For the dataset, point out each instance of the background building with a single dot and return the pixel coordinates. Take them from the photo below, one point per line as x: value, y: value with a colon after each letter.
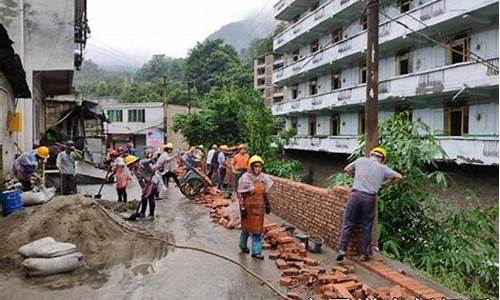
x: 264, y: 67
x: 170, y: 111
x: 454, y: 89
x: 49, y: 37
x: 140, y: 123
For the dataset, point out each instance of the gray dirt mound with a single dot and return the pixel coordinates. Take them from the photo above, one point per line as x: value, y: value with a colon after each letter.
x: 78, y: 220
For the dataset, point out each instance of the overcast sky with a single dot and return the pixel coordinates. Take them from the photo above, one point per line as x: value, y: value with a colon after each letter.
x: 130, y: 31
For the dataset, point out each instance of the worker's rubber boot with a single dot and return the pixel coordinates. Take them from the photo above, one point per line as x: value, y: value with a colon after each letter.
x: 341, y: 255
x: 258, y: 256
x: 245, y: 250
x: 363, y: 257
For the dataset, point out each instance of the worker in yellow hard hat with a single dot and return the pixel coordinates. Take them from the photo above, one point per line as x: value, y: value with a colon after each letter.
x: 149, y: 180
x: 27, y: 165
x: 253, y: 191
x: 370, y: 174
x: 166, y: 164
x: 221, y: 162
x: 240, y: 162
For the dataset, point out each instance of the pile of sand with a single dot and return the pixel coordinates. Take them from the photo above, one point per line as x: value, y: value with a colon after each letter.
x: 77, y: 220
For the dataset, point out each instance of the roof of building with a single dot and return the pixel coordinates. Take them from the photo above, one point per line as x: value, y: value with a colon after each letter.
x: 107, y: 103
x: 12, y: 67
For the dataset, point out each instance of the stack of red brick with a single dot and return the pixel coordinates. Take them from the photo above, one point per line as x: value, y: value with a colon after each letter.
x: 213, y: 199
x: 302, y: 273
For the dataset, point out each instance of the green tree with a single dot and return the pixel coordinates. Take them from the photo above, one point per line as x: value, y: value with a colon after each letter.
x: 215, y: 64
x: 159, y: 66
x: 229, y: 116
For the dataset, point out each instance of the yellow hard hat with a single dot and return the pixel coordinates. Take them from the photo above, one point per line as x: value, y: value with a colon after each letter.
x: 200, y: 146
x: 242, y: 146
x: 255, y: 159
x: 214, y: 146
x: 130, y: 159
x: 168, y: 145
x: 380, y: 151
x: 43, y: 152
x: 224, y: 147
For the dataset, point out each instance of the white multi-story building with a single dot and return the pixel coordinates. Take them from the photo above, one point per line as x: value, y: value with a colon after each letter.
x: 446, y: 87
x: 264, y: 67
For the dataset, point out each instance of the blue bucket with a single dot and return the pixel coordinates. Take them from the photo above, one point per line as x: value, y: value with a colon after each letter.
x: 11, y: 202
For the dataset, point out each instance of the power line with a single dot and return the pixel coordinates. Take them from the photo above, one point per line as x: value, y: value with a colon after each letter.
x: 478, y: 58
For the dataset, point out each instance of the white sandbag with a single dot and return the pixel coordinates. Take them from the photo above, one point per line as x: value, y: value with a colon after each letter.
x: 55, y: 250
x: 30, y: 249
x: 33, y: 198
x: 55, y: 265
x: 47, y: 248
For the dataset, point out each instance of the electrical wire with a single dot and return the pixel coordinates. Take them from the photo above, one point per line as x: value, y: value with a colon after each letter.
x: 149, y: 236
x: 478, y: 58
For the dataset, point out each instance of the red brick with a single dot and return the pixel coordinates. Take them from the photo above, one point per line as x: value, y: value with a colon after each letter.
x: 266, y: 246
x: 311, y: 261
x: 290, y: 272
x: 350, y: 285
x: 293, y: 295
x: 296, y: 257
x: 281, y: 264
x: 328, y: 278
x: 329, y: 295
x: 286, y: 281
x: 274, y: 255
x: 340, y: 269
x: 284, y: 240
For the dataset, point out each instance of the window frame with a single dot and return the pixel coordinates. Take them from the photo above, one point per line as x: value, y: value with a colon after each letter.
x: 134, y: 115
x: 402, y: 4
x: 115, y: 115
x: 337, y: 35
x: 294, y: 122
x: 314, y: 46
x: 362, y: 74
x: 336, y: 77
x: 464, y: 40
x: 363, y: 22
x: 464, y: 120
x: 361, y: 122
x: 294, y: 88
x: 408, y: 55
x: 313, y: 86
x: 312, y: 123
x: 335, y: 131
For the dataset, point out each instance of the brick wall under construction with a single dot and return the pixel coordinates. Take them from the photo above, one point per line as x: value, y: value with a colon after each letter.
x: 314, y: 210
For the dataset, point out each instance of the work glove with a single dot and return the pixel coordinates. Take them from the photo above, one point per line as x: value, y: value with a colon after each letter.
x: 267, y: 205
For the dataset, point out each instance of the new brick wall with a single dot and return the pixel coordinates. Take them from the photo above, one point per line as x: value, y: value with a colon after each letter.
x: 314, y: 210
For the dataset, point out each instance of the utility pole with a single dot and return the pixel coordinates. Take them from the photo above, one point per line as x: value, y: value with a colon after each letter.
x: 371, y: 106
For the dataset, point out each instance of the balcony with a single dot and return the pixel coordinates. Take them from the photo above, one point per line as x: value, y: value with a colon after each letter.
x: 332, y: 14
x: 287, y: 10
x: 461, y: 150
x: 436, y: 81
x: 440, y: 15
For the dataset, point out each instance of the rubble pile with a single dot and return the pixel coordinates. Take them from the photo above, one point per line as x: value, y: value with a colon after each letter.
x: 218, y: 206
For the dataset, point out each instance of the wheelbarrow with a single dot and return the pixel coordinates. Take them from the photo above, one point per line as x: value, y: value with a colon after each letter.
x: 193, y: 182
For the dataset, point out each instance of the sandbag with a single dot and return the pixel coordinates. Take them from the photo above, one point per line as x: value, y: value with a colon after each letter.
x: 48, y: 249
x: 33, y: 198
x: 30, y: 249
x: 55, y: 265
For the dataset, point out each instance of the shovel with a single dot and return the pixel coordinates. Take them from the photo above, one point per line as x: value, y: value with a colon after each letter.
x: 98, y: 195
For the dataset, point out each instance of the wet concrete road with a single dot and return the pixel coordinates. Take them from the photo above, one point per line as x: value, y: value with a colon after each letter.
x: 182, y: 274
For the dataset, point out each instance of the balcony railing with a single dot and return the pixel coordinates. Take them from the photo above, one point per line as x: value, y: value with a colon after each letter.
x: 444, y: 79
x: 439, y: 11
x: 466, y: 150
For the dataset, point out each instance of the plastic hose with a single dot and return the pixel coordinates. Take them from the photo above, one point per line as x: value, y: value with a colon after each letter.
x: 149, y: 236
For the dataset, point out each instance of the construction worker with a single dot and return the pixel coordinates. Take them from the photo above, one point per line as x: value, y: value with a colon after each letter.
x: 370, y: 174
x: 221, y: 159
x: 253, y: 189
x: 149, y: 180
x: 66, y: 163
x: 167, y: 164
x: 240, y: 163
x: 210, y: 156
x: 215, y: 165
x: 27, y: 164
x: 129, y: 149
x: 189, y: 158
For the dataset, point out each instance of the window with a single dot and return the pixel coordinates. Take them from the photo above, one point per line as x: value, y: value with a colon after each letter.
x: 362, y: 74
x: 361, y: 122
x: 261, y: 81
x: 261, y: 71
x: 314, y: 46
x: 404, y: 63
x: 460, y: 49
x: 295, y: 91
x: 335, y: 125
x: 456, y: 121
x: 337, y: 35
x: 294, y: 121
x: 315, y: 6
x: 336, y: 83
x: 312, y: 125
x: 136, y: 115
x: 313, y: 86
x: 115, y: 115
x: 404, y: 5
x: 295, y: 55
x: 364, y: 23
x: 261, y: 60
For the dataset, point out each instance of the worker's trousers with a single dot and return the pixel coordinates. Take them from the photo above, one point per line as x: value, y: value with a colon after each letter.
x: 168, y: 175
x: 256, y: 242
x: 360, y: 209
x: 68, y: 184
x: 151, y: 200
x: 221, y: 177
